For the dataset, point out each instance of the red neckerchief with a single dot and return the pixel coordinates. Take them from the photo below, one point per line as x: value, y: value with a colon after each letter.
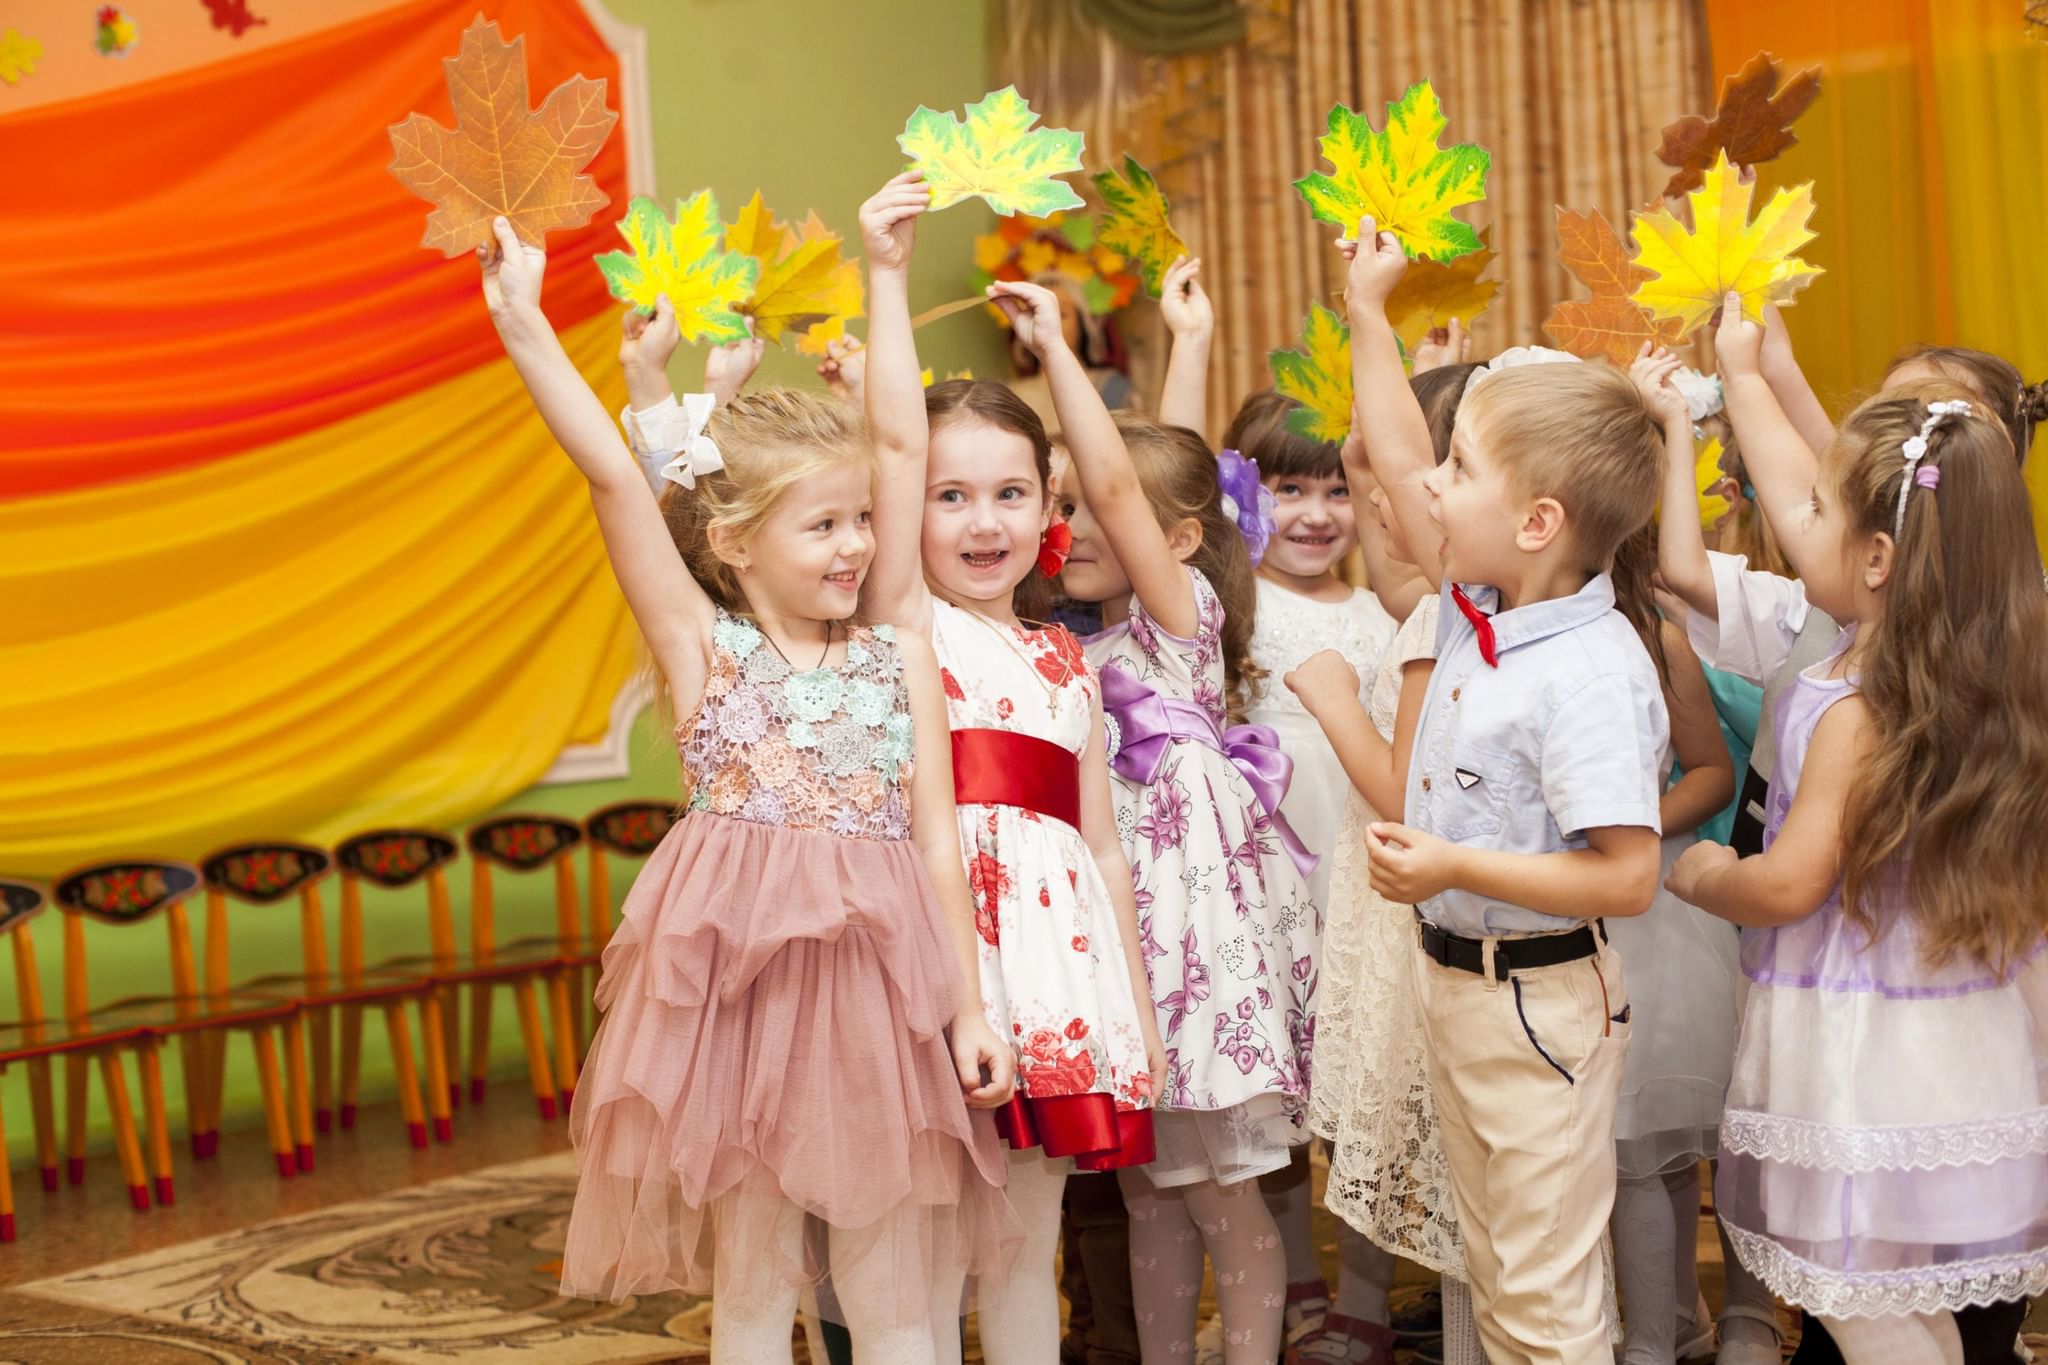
x: 1481, y: 622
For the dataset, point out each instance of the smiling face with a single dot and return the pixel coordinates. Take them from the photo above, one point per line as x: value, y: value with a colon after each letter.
x: 1315, y: 525
x: 984, y: 512
x: 809, y: 554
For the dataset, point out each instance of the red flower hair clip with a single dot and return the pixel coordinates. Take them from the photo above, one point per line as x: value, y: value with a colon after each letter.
x: 1054, y: 547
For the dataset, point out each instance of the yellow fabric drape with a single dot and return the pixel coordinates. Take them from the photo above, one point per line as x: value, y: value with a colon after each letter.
x: 386, y: 606
x: 1569, y: 95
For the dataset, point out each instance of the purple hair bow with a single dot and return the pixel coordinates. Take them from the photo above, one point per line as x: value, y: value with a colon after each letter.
x: 1148, y: 725
x: 1246, y: 500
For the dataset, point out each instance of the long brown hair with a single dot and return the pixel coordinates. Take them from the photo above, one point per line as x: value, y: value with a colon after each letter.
x: 1635, y: 595
x: 1178, y: 472
x: 1951, y: 805
x: 2016, y: 404
x: 996, y: 405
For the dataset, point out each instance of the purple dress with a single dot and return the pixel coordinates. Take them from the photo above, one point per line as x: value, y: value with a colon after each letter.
x: 1885, y: 1149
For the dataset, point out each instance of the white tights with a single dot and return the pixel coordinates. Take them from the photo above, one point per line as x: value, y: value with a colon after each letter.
x: 1656, y: 1232
x: 1922, y: 1339
x: 1170, y: 1230
x: 1461, y: 1331
x: 1019, y: 1316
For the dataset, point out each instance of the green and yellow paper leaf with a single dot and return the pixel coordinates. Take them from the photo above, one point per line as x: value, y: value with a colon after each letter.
x: 802, y: 281
x: 1431, y: 293
x: 683, y: 260
x: 1134, y: 222
x: 931, y: 379
x: 1318, y: 376
x: 1725, y: 251
x: 1401, y: 177
x: 995, y: 154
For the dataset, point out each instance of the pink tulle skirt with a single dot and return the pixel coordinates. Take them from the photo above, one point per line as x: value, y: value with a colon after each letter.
x: 770, y: 1094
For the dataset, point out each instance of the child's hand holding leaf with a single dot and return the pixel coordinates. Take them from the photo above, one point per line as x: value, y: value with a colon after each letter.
x: 512, y: 272
x: 888, y: 221
x: 1182, y: 302
x: 1034, y: 314
x: 1651, y: 374
x: 1377, y: 265
x: 646, y: 343
x: 728, y: 368
x: 1738, y: 342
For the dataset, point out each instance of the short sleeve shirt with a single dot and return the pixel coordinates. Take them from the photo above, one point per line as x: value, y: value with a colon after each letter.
x: 1567, y: 734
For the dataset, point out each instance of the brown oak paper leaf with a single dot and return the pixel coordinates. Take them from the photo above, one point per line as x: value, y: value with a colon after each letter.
x: 1750, y: 123
x: 1611, y: 323
x: 502, y: 157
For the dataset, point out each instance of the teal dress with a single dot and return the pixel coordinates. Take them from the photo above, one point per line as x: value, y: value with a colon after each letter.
x: 1738, y: 704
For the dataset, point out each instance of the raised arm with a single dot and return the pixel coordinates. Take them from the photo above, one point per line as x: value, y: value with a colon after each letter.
x: 1780, y: 465
x: 893, y: 395
x: 1383, y: 406
x: 1116, y: 497
x: 1781, y: 368
x: 1706, y: 781
x: 1681, y: 548
x: 1184, y: 398
x: 673, y: 613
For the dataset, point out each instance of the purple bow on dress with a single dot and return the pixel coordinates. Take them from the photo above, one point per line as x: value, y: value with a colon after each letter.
x: 1148, y: 725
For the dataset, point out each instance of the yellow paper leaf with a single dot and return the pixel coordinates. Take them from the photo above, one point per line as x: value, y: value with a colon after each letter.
x: 996, y: 154
x: 1401, y: 177
x: 1433, y: 292
x: 1134, y: 222
x: 802, y: 281
x: 1707, y: 476
x: 1318, y: 376
x: 1725, y: 251
x: 682, y: 260
x: 18, y: 56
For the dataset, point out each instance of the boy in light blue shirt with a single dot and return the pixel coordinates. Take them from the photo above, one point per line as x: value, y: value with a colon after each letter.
x: 1532, y: 804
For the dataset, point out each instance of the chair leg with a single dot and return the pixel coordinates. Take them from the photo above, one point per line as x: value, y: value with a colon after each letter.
x: 566, y: 1032
x: 301, y: 1103
x: 434, y: 1042
x: 536, y: 1046
x: 408, y: 1073
x: 322, y: 1032
x: 451, y: 1042
x: 74, y: 1119
x: 44, y: 1109
x: 126, y: 1145
x: 479, y: 1038
x: 273, y: 1101
x: 6, y: 1190
x: 194, y: 1051
x: 351, y: 1061
x: 156, y: 1121
x: 213, y: 1071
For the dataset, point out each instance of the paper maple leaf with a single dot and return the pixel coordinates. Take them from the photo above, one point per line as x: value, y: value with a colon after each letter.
x: 995, y: 154
x: 234, y: 16
x: 1134, y: 222
x: 1611, y: 323
x: 1401, y: 177
x: 1431, y: 293
x: 706, y: 285
x: 801, y: 282
x: 1749, y: 124
x: 1318, y: 376
x: 115, y: 33
x: 1725, y: 252
x: 501, y: 157
x: 18, y: 56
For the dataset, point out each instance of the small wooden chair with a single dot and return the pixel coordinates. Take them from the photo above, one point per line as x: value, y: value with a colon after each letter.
x: 265, y: 874
x: 34, y: 1039
x: 629, y: 829
x: 129, y: 892
x: 526, y: 843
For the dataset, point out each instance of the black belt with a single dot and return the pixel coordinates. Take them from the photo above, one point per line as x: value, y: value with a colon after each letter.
x: 1509, y: 954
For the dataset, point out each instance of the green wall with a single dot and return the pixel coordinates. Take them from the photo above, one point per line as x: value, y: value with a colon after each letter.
x: 802, y: 100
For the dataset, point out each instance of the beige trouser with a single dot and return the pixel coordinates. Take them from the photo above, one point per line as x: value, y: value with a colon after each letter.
x: 1525, y: 1074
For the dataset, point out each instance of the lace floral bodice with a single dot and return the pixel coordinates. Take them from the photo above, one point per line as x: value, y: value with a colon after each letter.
x: 1291, y: 627
x: 1415, y: 640
x: 825, y: 749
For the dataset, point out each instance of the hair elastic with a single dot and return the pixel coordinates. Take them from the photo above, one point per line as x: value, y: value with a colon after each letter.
x: 1914, y: 448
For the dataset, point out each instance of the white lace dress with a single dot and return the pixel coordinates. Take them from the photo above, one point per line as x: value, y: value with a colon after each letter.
x: 1388, y: 1177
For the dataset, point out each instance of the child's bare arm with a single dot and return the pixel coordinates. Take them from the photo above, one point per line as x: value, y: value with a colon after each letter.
x: 1780, y: 465
x: 1681, y: 548
x: 1802, y: 405
x: 1098, y: 831
x: 1184, y: 398
x: 1615, y: 876
x: 1706, y: 780
x: 1383, y: 406
x: 893, y: 395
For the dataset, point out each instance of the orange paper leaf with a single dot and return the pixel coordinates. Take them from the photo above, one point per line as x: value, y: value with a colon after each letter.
x: 502, y: 157
x: 1611, y: 323
x: 1749, y: 125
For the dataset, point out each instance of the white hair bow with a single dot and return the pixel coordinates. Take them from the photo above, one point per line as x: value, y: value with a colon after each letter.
x: 1515, y: 356
x: 697, y: 453
x: 1702, y: 392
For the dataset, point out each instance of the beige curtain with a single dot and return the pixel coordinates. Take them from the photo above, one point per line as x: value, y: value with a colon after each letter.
x: 1568, y: 95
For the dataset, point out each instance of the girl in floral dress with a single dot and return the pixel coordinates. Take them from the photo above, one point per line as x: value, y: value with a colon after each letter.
x: 1227, y: 923
x: 961, y: 533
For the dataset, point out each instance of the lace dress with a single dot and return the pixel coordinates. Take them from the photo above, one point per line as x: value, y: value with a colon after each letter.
x: 775, y: 1001
x: 1227, y: 926
x: 1388, y: 1177
x: 1885, y: 1147
x: 1289, y: 628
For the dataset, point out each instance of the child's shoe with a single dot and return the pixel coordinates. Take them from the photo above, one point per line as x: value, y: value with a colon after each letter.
x: 1341, y: 1340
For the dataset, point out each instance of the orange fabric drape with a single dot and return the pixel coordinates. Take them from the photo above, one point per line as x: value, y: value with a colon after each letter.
x: 1568, y: 95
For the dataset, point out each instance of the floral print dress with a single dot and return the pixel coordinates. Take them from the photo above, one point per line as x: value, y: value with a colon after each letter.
x: 1053, y: 970
x: 1226, y: 922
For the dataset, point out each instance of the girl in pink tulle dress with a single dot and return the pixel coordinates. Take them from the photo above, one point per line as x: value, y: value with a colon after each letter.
x: 793, y: 1064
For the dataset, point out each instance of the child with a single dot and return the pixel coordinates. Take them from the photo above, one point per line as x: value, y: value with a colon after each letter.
x: 1304, y: 606
x: 1873, y: 1170
x: 1228, y: 926
x: 961, y: 534
x: 782, y: 961
x: 1532, y: 804
x: 1387, y: 1178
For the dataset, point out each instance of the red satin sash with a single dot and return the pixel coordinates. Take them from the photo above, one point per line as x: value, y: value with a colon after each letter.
x: 1088, y: 1128
x: 1003, y: 768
